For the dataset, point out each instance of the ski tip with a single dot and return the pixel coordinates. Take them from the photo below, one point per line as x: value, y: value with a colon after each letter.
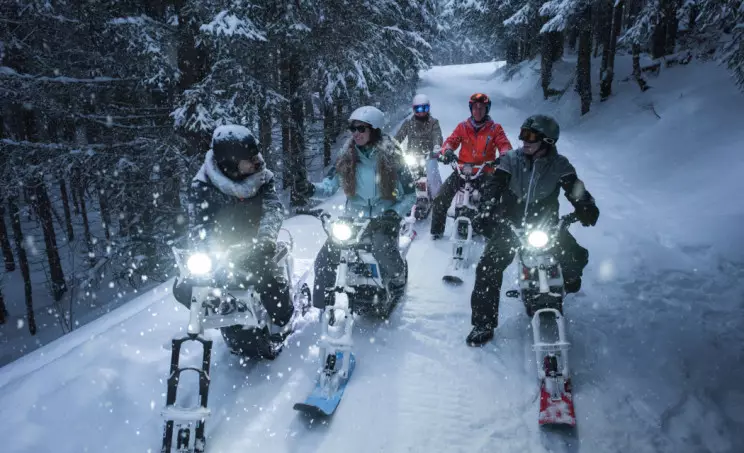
x: 452, y: 280
x: 310, y: 410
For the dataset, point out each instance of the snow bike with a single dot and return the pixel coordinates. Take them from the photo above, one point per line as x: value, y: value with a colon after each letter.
x: 417, y: 163
x: 214, y: 291
x: 463, y: 210
x: 541, y: 289
x: 358, y: 277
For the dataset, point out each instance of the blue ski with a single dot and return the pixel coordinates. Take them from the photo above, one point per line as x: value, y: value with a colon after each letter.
x: 317, y: 403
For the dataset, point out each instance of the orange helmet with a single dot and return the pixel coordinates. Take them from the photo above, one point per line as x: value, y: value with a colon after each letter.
x: 480, y: 97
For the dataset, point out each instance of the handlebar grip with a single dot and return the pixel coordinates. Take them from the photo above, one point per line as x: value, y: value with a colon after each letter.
x: 318, y: 212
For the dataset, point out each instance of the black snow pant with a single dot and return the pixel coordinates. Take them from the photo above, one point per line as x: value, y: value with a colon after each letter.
x: 384, y: 236
x: 443, y: 201
x: 270, y: 282
x: 498, y: 254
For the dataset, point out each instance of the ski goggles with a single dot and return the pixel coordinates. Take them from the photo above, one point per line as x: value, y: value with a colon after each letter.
x: 361, y: 128
x: 531, y: 136
x: 480, y: 97
x: 421, y: 108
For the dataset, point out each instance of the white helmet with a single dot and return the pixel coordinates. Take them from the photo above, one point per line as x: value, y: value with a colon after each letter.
x: 421, y: 99
x: 370, y: 115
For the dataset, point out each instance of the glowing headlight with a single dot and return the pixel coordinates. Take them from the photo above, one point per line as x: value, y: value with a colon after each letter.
x: 410, y: 160
x: 199, y: 264
x: 341, y: 231
x: 538, y: 239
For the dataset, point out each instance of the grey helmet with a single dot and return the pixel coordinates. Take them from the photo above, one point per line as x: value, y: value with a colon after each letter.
x: 545, y: 125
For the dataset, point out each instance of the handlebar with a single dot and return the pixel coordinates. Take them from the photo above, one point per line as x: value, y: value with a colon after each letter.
x: 563, y: 222
x: 317, y: 212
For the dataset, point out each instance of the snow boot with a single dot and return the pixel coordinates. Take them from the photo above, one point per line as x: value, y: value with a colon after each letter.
x: 572, y: 285
x: 480, y: 335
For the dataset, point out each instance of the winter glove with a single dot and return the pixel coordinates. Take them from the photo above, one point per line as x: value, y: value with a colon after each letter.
x: 263, y: 250
x: 448, y: 157
x: 391, y: 216
x: 302, y: 186
x: 588, y: 214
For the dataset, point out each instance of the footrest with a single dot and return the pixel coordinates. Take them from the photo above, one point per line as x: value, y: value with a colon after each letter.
x: 185, y: 414
x: 551, y: 347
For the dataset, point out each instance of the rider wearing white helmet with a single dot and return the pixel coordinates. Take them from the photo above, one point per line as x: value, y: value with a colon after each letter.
x: 377, y: 184
x: 424, y: 137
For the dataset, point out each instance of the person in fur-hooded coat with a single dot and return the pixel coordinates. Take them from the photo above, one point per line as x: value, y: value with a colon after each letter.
x: 233, y: 200
x: 377, y: 184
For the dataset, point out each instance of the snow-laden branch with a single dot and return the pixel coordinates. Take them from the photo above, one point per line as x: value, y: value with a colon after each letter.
x: 227, y: 24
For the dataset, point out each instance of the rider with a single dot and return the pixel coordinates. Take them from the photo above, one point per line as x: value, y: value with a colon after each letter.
x: 478, y: 137
x: 525, y: 187
x: 377, y: 184
x: 233, y: 201
x: 424, y: 137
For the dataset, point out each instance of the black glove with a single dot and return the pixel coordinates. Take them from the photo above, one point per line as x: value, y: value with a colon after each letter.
x: 263, y: 248
x: 588, y: 214
x: 391, y: 216
x: 303, y: 187
x: 449, y: 156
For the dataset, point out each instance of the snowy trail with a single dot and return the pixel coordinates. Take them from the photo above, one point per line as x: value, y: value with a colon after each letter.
x: 656, y: 335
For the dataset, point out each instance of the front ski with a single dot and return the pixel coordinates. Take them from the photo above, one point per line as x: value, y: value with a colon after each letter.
x: 556, y: 402
x: 323, y: 400
x: 556, y: 397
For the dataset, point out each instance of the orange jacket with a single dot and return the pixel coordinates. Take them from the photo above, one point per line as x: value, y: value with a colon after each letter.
x: 478, y: 146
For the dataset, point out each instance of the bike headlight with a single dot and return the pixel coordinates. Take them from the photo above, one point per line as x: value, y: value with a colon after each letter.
x: 199, y: 264
x: 411, y: 160
x: 538, y: 239
x: 341, y: 231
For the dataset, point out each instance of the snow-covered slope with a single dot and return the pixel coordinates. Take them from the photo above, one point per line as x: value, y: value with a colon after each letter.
x: 656, y: 331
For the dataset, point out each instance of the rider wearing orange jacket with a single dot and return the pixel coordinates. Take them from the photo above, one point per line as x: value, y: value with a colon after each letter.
x: 479, y: 139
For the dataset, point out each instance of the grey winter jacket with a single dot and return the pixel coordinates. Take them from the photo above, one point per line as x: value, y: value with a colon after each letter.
x: 424, y: 136
x: 232, y: 212
x: 524, y: 188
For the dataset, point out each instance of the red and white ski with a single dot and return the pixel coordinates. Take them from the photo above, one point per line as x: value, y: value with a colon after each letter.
x: 556, y: 406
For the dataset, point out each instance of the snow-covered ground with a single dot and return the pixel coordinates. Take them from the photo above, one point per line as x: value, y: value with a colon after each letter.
x: 656, y: 330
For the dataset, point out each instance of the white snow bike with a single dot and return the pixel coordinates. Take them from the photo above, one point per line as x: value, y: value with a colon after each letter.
x: 358, y: 277
x: 463, y: 210
x: 541, y: 289
x: 218, y: 299
x: 417, y: 163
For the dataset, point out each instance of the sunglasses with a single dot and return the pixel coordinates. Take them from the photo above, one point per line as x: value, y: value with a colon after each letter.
x: 421, y: 108
x: 530, y: 136
x: 361, y: 129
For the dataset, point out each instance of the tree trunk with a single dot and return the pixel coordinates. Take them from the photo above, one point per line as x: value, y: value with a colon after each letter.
x: 297, y: 129
x: 512, y: 52
x: 286, y: 119
x: 636, y: 49
x: 558, y: 44
x: 193, y: 64
x: 103, y: 204
x: 15, y: 220
x: 584, y: 61
x: 44, y: 210
x: 264, y: 130
x: 340, y: 120
x: 608, y: 58
x: 672, y: 25
x: 5, y: 243
x: 692, y: 18
x: 548, y: 56
x: 66, y: 208
x: 80, y: 189
x: 3, y: 310
x: 73, y: 191
x: 573, y: 36
x: 328, y: 121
